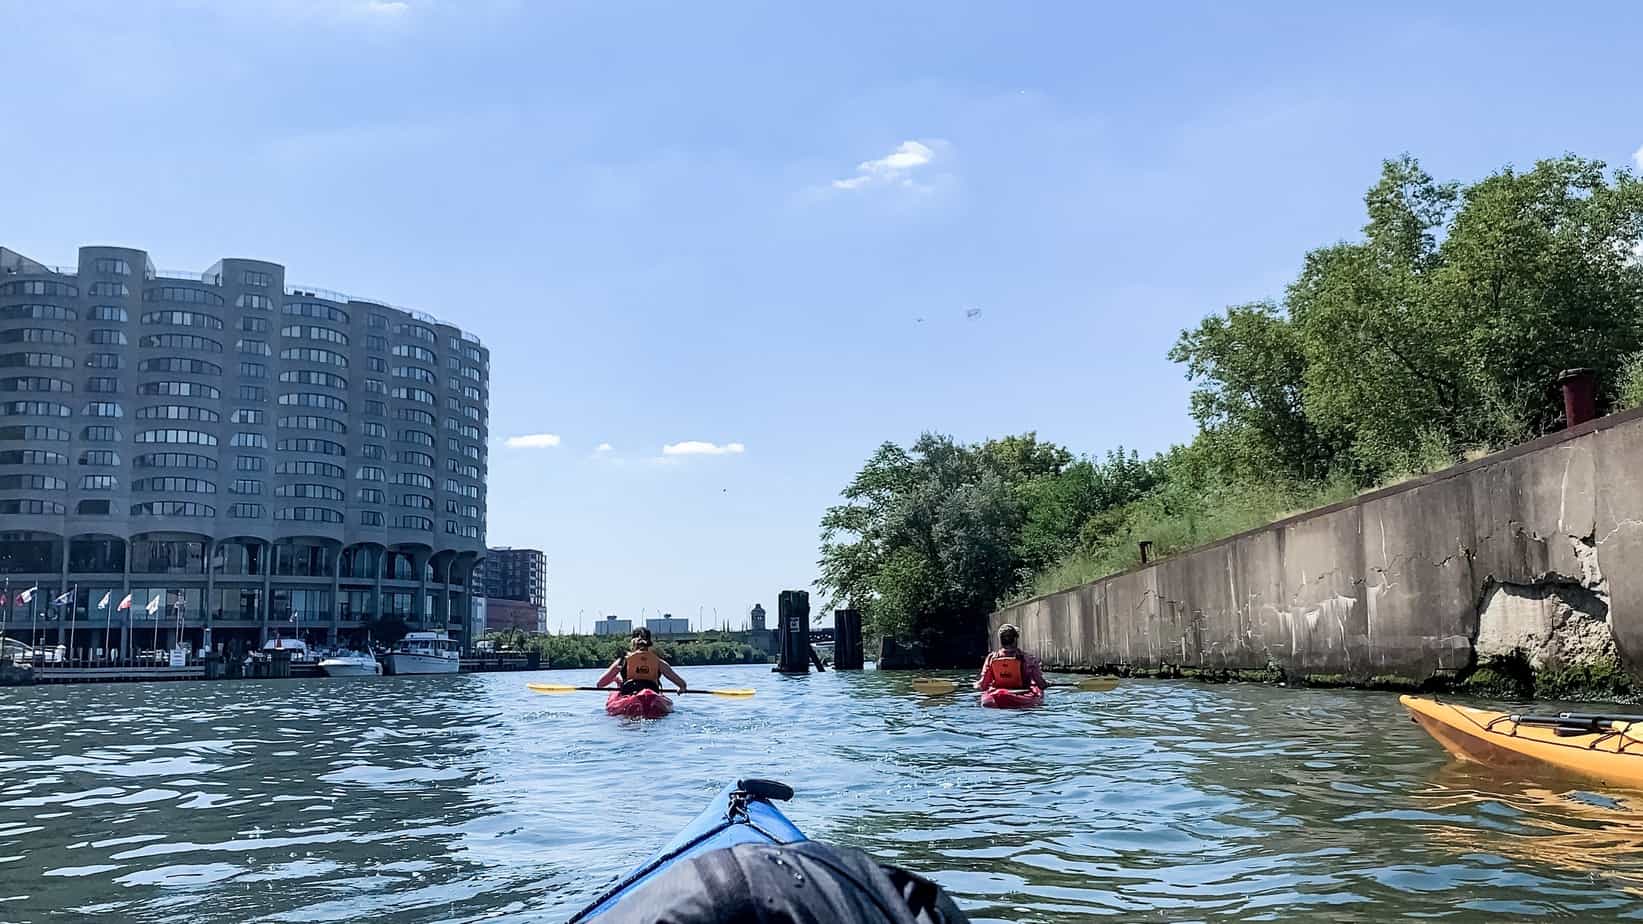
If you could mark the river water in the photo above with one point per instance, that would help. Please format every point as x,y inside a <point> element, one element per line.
<point>469,798</point>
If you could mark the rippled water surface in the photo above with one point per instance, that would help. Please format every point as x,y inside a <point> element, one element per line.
<point>468,798</point>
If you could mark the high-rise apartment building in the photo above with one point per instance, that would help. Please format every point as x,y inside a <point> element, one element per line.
<point>519,575</point>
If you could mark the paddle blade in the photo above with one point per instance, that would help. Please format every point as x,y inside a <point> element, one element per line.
<point>1098,684</point>
<point>931,687</point>
<point>550,688</point>
<point>734,693</point>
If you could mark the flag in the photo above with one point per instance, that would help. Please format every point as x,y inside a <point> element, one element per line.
<point>63,598</point>
<point>103,603</point>
<point>2,598</point>
<point>125,603</point>
<point>154,604</point>
<point>24,596</point>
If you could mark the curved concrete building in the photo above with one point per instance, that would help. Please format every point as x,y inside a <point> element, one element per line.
<point>259,457</point>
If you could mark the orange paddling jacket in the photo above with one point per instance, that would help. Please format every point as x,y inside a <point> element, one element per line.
<point>642,669</point>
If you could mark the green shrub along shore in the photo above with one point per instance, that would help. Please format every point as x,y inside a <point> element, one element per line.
<point>1438,334</point>
<point>573,651</point>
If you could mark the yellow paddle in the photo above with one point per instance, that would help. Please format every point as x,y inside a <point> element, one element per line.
<point>933,687</point>
<point>567,688</point>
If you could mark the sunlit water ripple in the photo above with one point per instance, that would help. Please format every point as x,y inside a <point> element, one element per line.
<point>469,798</point>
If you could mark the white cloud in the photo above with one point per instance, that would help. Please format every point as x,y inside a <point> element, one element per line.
<point>604,447</point>
<point>891,169</point>
<point>1637,155</point>
<point>386,7</point>
<point>533,441</point>
<point>702,448</point>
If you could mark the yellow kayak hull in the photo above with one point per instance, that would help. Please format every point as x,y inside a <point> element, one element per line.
<point>1493,738</point>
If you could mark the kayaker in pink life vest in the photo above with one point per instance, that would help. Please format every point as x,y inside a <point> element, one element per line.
<point>1010,668</point>
<point>640,669</point>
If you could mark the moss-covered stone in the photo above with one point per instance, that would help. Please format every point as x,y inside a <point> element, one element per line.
<point>1604,681</point>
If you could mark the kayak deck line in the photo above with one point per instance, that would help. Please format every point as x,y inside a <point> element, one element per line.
<point>730,819</point>
<point>1608,754</point>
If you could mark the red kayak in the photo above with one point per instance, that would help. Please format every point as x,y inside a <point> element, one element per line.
<point>645,704</point>
<point>1012,699</point>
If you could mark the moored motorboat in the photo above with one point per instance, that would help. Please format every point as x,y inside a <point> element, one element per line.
<point>424,653</point>
<point>351,664</point>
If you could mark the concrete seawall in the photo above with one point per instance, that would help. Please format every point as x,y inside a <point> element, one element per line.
<point>1537,550</point>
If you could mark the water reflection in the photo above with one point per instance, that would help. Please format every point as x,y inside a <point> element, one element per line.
<point>461,798</point>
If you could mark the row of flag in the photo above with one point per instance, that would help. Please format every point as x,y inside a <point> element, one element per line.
<point>26,596</point>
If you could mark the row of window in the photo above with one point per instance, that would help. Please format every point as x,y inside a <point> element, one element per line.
<point>167,508</point>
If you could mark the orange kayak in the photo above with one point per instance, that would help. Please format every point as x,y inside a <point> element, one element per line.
<point>1604,748</point>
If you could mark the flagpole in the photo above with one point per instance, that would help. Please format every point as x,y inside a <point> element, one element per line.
<point>157,628</point>
<point>73,604</point>
<point>108,622</point>
<point>34,619</point>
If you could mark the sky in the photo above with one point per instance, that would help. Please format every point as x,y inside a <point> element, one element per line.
<point>721,251</point>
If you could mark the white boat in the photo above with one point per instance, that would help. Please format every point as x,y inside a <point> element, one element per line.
<point>424,653</point>
<point>351,664</point>
<point>297,648</point>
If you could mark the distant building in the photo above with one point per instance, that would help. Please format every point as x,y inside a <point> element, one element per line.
<point>518,575</point>
<point>610,625</point>
<point>502,615</point>
<point>755,618</point>
<point>758,635</point>
<point>667,625</point>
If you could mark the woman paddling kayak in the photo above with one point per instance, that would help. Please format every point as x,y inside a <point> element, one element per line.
<point>1011,678</point>
<point>640,672</point>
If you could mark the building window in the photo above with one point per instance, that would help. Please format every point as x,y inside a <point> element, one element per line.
<point>376,343</point>
<point>173,485</point>
<point>173,364</point>
<point>315,310</point>
<point>172,509</point>
<point>98,482</point>
<point>412,351</point>
<point>38,383</point>
<point>38,360</point>
<point>106,409</point>
<point>37,335</point>
<point>253,371</point>
<point>34,433</point>
<point>256,278</point>
<point>412,457</point>
<point>370,518</point>
<point>376,364</point>
<point>179,342</point>
<point>375,387</point>
<point>314,355</point>
<point>248,416</point>
<point>245,486</point>
<point>407,521</point>
<point>34,409</point>
<point>315,377</point>
<point>182,295</point>
<point>175,460</point>
<point>113,266</point>
<point>182,319</point>
<point>246,511</point>
<point>190,437</point>
<point>249,463</point>
<point>315,400</point>
<point>253,393</point>
<point>107,337</point>
<point>314,491</point>
<point>415,373</point>
<point>310,422</point>
<point>417,332</point>
<point>253,300</point>
<point>39,287</point>
<point>310,514</point>
<point>416,438</point>
<point>38,313</point>
<point>415,415</point>
<point>32,483</point>
<point>102,384</point>
<point>254,325</point>
<point>246,440</point>
<point>102,435</point>
<point>373,429</point>
<point>369,496</point>
<point>108,290</point>
<point>416,501</point>
<point>312,332</point>
<point>370,473</point>
<point>253,348</point>
<point>373,451</point>
<point>177,412</point>
<point>178,390</point>
<point>420,395</point>
<point>377,322</point>
<point>309,467</point>
<point>415,479</point>
<point>37,457</point>
<point>107,313</point>
<point>376,409</point>
<point>322,447</point>
<point>97,457</point>
<point>37,507</point>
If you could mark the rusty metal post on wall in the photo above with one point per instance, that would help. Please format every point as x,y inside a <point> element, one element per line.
<point>1579,395</point>
<point>1146,550</point>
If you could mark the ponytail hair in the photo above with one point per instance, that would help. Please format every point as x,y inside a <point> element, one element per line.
<point>640,639</point>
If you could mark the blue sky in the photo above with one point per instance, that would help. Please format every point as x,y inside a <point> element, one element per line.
<point>765,225</point>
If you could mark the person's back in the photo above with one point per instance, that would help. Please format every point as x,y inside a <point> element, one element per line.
<point>640,669</point>
<point>1010,668</point>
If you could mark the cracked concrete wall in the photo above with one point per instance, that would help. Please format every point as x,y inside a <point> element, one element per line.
<point>1538,548</point>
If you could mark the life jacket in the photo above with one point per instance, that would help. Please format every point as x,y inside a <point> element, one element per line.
<point>642,670</point>
<point>1009,672</point>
